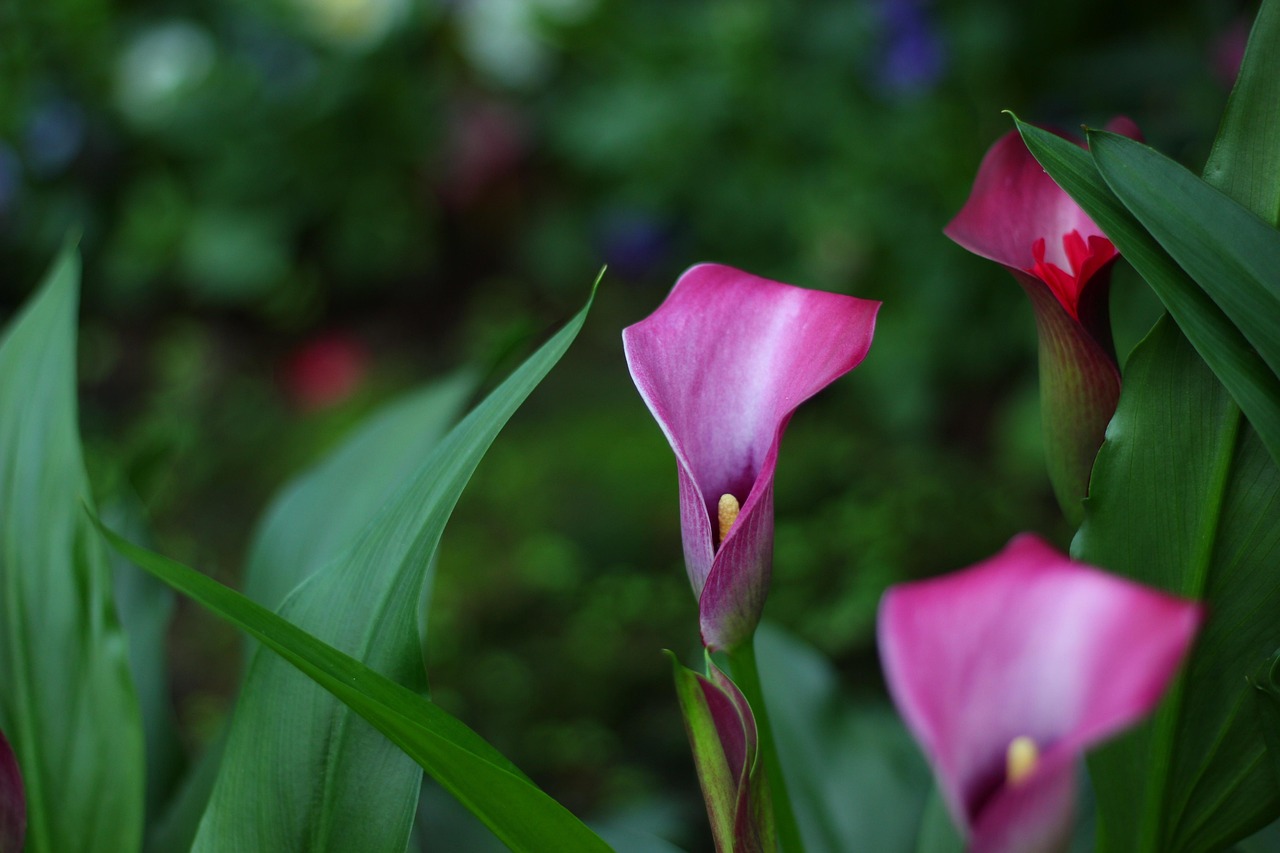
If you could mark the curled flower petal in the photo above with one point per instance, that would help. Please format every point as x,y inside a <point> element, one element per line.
<point>723,735</point>
<point>722,364</point>
<point>1018,217</point>
<point>1026,645</point>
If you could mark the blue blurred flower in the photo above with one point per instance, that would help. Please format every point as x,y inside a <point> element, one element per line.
<point>54,135</point>
<point>912,57</point>
<point>632,242</point>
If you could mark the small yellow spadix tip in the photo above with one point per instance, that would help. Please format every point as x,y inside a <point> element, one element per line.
<point>728,513</point>
<point>1021,759</point>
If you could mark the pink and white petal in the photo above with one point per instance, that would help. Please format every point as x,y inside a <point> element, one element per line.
<point>1013,203</point>
<point>730,604</point>
<point>729,355</point>
<point>1029,644</point>
<point>1035,816</point>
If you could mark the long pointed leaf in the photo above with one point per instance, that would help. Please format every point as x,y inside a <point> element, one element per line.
<point>1253,385</point>
<point>319,514</point>
<point>66,701</point>
<point>298,748</point>
<point>519,813</point>
<point>1245,160</point>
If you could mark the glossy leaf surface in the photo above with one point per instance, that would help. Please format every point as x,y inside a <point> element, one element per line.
<point>1186,498</point>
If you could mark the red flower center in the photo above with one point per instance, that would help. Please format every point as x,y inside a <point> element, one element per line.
<point>1085,259</point>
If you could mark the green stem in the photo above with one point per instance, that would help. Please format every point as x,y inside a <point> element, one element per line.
<point>746,675</point>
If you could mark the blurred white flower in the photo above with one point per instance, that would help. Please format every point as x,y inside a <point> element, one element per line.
<point>506,39</point>
<point>161,64</point>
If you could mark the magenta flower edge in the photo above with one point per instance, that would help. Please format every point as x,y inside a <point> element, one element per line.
<point>1008,671</point>
<point>723,364</point>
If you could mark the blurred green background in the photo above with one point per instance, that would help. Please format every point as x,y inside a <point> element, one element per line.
<point>292,210</point>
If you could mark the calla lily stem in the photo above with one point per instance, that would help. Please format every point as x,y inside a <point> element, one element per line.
<point>746,675</point>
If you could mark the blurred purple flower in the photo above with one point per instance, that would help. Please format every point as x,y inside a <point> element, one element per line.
<point>1228,51</point>
<point>723,364</point>
<point>912,57</point>
<point>1008,671</point>
<point>632,242</point>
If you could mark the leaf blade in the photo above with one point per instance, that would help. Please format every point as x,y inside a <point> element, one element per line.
<point>68,706</point>
<point>524,817</point>
<point>291,741</point>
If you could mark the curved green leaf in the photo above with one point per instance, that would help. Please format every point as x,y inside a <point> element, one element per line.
<point>517,811</point>
<point>1245,160</point>
<point>66,702</point>
<point>1185,497</point>
<point>1232,254</point>
<point>1231,357</point>
<point>319,514</point>
<point>291,743</point>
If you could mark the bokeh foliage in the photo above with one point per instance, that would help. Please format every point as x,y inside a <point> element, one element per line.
<point>430,184</point>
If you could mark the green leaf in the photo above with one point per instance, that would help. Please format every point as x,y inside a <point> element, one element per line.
<point>312,519</point>
<point>320,513</point>
<point>1231,357</point>
<point>517,811</point>
<point>1245,160</point>
<point>854,773</point>
<point>66,702</point>
<point>1185,497</point>
<point>718,780</point>
<point>292,744</point>
<point>145,607</point>
<point>1232,254</point>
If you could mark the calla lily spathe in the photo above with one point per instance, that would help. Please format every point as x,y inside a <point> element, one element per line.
<point>1008,671</point>
<point>1018,217</point>
<point>722,364</point>
<point>725,742</point>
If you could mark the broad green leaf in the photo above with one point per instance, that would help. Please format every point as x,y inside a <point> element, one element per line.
<point>1251,382</point>
<point>313,518</point>
<point>66,702</point>
<point>318,515</point>
<point>1186,498</point>
<point>1232,254</point>
<point>1245,160</point>
<point>854,773</point>
<point>298,748</point>
<point>517,811</point>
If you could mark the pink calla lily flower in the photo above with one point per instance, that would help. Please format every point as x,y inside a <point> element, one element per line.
<point>722,364</point>
<point>13,801</point>
<point>1018,217</point>
<point>1008,671</point>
